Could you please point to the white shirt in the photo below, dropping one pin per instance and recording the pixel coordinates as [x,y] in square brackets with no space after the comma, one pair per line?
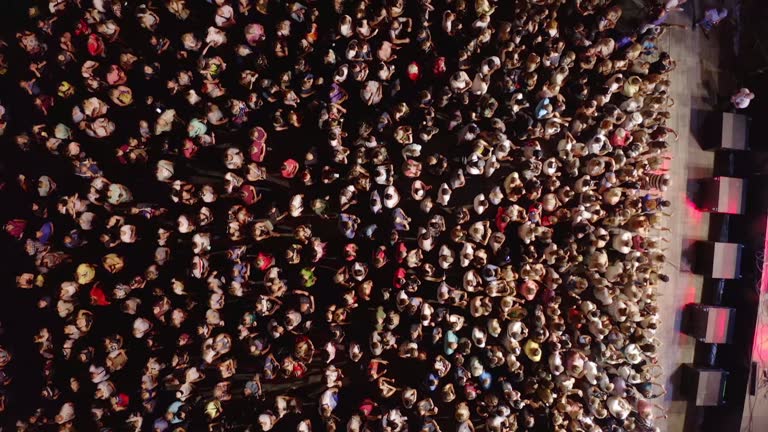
[716,15]
[742,98]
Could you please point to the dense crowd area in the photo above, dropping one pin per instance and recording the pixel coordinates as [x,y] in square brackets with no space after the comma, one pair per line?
[336,215]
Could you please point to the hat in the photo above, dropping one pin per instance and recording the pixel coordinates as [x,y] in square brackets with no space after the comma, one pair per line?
[532,350]
[633,353]
[85,273]
[165,170]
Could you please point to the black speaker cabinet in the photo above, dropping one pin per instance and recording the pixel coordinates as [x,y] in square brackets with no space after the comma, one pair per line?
[718,260]
[723,195]
[704,386]
[726,131]
[709,324]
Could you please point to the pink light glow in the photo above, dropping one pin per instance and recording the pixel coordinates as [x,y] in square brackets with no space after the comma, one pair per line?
[760,344]
[721,326]
[764,278]
[690,295]
[734,204]
[695,215]
[760,348]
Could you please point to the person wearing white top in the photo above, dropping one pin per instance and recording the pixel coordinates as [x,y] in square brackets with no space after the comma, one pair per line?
[742,98]
[712,17]
[675,5]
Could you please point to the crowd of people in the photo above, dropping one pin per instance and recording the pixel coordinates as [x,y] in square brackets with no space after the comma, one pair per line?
[339,215]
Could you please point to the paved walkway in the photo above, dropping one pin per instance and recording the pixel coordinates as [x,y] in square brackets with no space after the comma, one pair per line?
[696,84]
